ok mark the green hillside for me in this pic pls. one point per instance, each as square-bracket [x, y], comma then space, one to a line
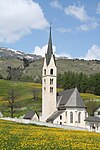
[34, 70]
[26, 99]
[31, 137]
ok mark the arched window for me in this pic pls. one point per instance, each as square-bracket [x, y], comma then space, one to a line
[51, 71]
[71, 117]
[79, 117]
[44, 71]
[51, 81]
[60, 117]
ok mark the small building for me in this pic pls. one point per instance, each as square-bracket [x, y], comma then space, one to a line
[97, 112]
[31, 115]
[93, 123]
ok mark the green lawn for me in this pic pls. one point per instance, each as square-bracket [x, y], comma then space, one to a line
[25, 101]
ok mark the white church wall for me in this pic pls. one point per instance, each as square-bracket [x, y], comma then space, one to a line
[61, 120]
[66, 117]
[75, 112]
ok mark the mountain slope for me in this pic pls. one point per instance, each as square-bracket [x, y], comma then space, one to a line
[15, 60]
[11, 53]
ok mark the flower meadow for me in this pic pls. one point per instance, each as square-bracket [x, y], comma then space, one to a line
[14, 136]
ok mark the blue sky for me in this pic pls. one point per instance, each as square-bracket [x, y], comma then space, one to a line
[24, 25]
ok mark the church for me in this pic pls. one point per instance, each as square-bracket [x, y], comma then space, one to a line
[64, 108]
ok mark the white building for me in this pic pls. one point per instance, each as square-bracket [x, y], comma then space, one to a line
[31, 115]
[1, 115]
[97, 112]
[65, 108]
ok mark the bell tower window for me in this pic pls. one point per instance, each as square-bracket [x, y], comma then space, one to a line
[51, 81]
[51, 71]
[44, 71]
[51, 89]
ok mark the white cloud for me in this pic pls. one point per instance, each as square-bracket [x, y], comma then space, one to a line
[93, 53]
[64, 30]
[43, 50]
[56, 4]
[78, 12]
[88, 26]
[98, 8]
[19, 17]
[64, 55]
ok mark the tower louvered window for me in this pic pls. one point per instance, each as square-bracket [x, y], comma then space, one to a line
[51, 89]
[51, 81]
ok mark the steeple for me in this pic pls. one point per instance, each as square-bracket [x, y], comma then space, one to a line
[50, 49]
[49, 77]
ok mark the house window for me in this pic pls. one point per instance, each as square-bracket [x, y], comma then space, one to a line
[51, 89]
[98, 112]
[44, 71]
[51, 81]
[79, 117]
[60, 117]
[71, 117]
[51, 71]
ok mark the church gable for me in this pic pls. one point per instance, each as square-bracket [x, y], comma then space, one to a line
[75, 100]
[70, 98]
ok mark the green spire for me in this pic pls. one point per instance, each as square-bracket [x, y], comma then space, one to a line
[49, 50]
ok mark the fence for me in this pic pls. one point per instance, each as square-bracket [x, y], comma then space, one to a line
[24, 121]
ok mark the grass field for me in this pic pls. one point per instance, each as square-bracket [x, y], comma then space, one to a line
[14, 136]
[25, 101]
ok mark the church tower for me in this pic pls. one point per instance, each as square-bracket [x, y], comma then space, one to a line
[49, 76]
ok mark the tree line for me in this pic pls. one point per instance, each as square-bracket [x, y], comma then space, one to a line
[84, 83]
